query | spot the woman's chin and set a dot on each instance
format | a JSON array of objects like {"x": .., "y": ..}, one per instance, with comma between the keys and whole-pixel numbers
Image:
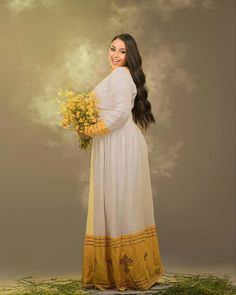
[{"x": 114, "y": 66}]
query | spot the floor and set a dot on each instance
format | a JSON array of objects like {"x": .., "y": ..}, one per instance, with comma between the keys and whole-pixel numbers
[{"x": 153, "y": 290}]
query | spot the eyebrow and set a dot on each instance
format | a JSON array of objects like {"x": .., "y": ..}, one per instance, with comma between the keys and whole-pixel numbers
[{"x": 120, "y": 48}]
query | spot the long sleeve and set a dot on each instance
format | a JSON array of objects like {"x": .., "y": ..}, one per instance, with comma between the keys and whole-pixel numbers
[{"x": 121, "y": 90}]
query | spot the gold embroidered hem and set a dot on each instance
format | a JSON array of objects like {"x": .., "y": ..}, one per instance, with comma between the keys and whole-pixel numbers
[{"x": 130, "y": 261}]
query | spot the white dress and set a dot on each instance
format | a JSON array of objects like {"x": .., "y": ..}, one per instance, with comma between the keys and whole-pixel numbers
[{"x": 121, "y": 248}]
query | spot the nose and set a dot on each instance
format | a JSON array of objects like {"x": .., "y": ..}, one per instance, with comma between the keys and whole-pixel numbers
[{"x": 116, "y": 53}]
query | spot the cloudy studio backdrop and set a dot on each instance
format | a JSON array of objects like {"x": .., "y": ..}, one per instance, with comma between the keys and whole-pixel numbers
[{"x": 188, "y": 58}]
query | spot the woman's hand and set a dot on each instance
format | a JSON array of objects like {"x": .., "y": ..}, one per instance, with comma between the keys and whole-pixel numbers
[{"x": 81, "y": 133}]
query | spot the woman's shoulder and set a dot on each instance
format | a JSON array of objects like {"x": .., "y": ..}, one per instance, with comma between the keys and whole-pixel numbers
[
  {"x": 121, "y": 74},
  {"x": 120, "y": 71}
]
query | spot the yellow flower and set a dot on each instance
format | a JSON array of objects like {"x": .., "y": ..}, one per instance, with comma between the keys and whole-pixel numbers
[{"x": 68, "y": 93}]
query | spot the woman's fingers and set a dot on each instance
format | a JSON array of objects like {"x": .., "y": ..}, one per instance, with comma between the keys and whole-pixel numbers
[{"x": 81, "y": 132}]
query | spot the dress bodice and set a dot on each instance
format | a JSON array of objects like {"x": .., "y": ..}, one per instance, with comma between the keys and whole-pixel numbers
[
  {"x": 115, "y": 97},
  {"x": 105, "y": 93}
]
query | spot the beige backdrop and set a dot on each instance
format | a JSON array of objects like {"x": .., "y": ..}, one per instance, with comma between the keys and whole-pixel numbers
[{"x": 188, "y": 51}]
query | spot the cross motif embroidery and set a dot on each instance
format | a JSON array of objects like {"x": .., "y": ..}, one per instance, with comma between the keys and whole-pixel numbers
[{"x": 125, "y": 261}]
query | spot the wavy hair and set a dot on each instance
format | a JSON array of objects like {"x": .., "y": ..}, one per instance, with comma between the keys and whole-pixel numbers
[{"x": 141, "y": 111}]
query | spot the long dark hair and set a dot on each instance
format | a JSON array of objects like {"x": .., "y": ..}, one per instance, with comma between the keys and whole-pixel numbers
[{"x": 141, "y": 111}]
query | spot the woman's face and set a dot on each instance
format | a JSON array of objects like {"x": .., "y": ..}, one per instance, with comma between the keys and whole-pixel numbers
[{"x": 117, "y": 54}]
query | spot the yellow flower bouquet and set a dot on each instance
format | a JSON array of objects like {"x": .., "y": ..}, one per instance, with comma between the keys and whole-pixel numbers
[{"x": 78, "y": 111}]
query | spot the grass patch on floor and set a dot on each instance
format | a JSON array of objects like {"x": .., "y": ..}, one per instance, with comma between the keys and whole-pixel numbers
[
  {"x": 179, "y": 284},
  {"x": 199, "y": 285},
  {"x": 30, "y": 286}
]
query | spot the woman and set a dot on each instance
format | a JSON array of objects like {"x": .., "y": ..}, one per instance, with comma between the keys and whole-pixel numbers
[{"x": 121, "y": 248}]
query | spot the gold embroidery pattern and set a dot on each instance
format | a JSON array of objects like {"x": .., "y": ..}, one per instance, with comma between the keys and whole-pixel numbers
[
  {"x": 137, "y": 254},
  {"x": 125, "y": 261},
  {"x": 125, "y": 240}
]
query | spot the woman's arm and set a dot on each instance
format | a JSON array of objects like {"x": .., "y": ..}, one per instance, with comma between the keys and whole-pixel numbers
[{"x": 121, "y": 90}]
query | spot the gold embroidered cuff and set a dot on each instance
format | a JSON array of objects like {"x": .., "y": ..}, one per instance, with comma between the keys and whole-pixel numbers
[{"x": 97, "y": 129}]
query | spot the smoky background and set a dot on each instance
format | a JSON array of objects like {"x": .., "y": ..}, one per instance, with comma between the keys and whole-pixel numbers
[{"x": 188, "y": 52}]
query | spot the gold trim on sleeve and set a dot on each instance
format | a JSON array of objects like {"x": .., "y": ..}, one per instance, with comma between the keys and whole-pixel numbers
[{"x": 97, "y": 129}]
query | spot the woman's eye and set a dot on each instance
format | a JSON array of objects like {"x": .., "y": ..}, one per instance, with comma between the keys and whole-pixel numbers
[{"x": 113, "y": 49}]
